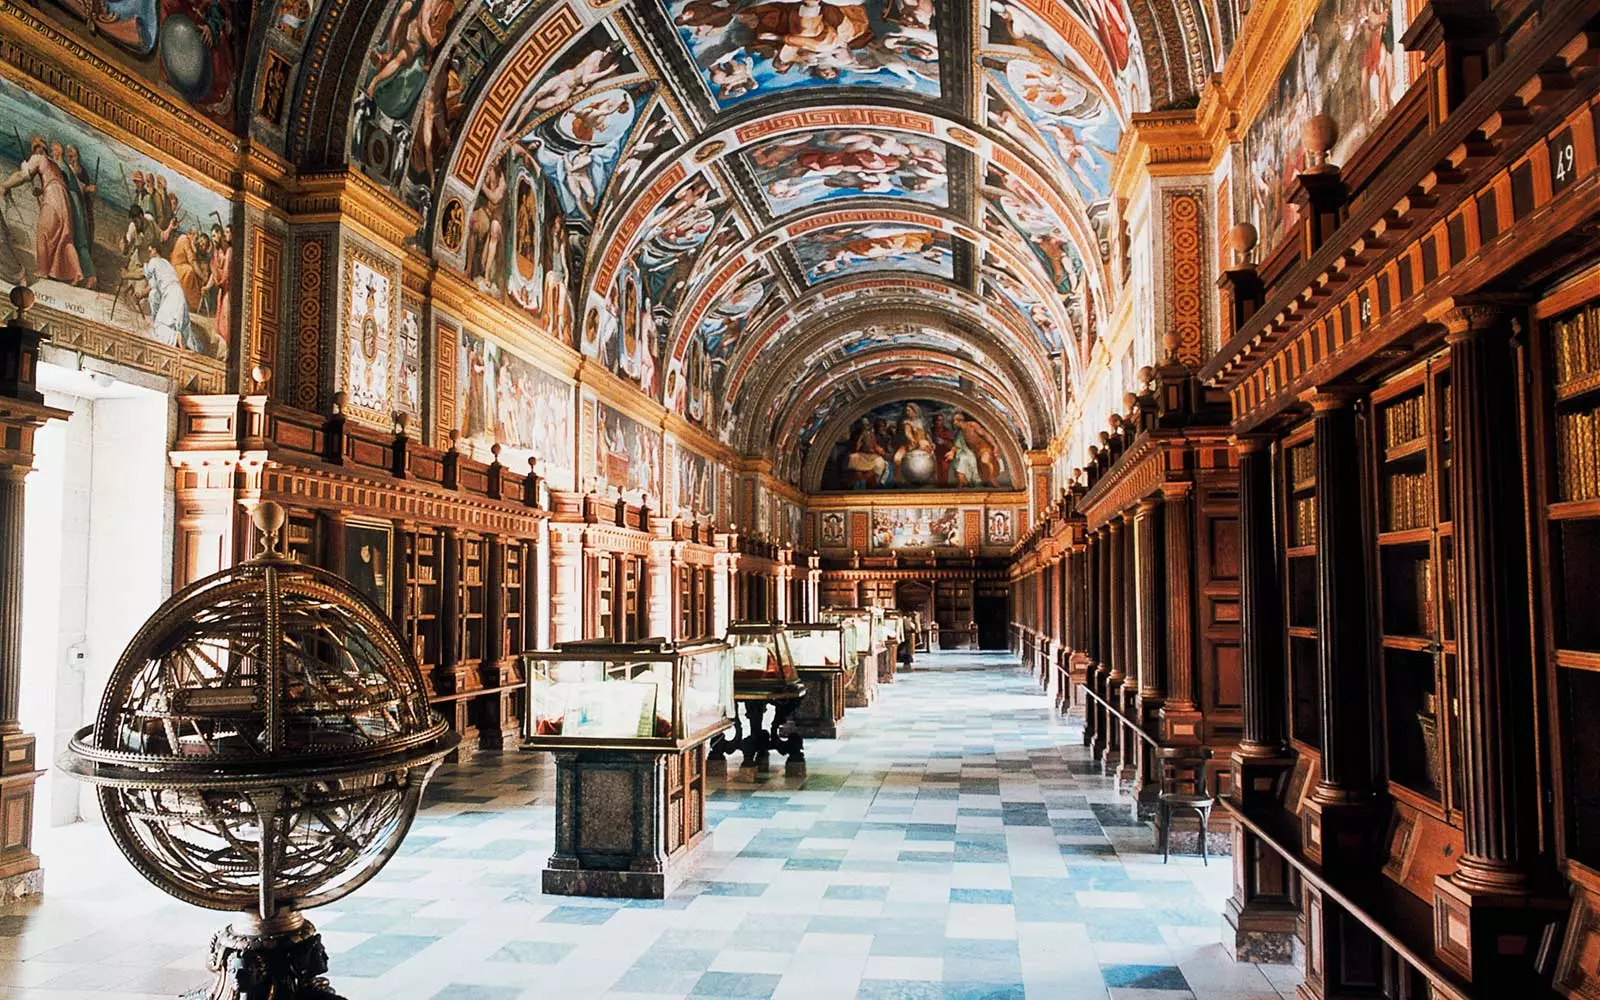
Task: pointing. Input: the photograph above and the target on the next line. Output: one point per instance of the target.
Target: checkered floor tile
(955, 844)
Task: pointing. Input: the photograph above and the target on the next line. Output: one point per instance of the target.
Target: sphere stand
(277, 959)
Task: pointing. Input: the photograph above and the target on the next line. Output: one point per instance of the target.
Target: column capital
(1331, 398)
(1472, 316)
(1251, 444)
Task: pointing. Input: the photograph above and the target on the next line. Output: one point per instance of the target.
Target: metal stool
(1184, 767)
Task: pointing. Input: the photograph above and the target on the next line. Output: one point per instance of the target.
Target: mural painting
(800, 170)
(1003, 284)
(1014, 215)
(108, 235)
(916, 528)
(858, 248)
(193, 46)
(697, 483)
(916, 444)
(396, 80)
(517, 246)
(1349, 66)
(1040, 97)
(369, 340)
(697, 381)
(833, 528)
(747, 48)
(576, 123)
(410, 401)
(627, 329)
(504, 399)
(652, 138)
(627, 453)
(997, 528)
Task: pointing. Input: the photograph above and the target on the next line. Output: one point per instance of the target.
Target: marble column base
(21, 885)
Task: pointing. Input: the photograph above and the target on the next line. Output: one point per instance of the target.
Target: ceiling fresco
(699, 194)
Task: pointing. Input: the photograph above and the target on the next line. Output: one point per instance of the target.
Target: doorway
(990, 611)
(97, 559)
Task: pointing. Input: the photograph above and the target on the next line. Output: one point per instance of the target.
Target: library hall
(800, 499)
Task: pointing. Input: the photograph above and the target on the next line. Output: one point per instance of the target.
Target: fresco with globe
(917, 444)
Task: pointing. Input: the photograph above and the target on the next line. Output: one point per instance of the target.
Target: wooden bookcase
(1418, 675)
(516, 627)
(1298, 459)
(1567, 387)
(422, 551)
(470, 598)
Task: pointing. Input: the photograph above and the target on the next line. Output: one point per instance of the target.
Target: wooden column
(1489, 913)
(1094, 677)
(1116, 644)
(1128, 596)
(1180, 715)
(1151, 586)
(20, 874)
(1262, 910)
(1340, 819)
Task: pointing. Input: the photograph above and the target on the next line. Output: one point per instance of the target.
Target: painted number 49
(1563, 162)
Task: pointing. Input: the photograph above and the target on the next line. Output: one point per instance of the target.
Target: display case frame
(823, 707)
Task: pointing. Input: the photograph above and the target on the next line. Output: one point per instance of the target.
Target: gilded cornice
(918, 498)
(1268, 37)
(1171, 144)
(509, 325)
(350, 198)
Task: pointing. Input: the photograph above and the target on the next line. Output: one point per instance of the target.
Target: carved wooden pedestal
(627, 821)
(822, 709)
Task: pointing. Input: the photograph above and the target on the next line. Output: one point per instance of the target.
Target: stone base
(21, 885)
(262, 961)
(608, 885)
(1264, 947)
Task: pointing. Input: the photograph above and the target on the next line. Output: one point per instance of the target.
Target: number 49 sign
(1563, 161)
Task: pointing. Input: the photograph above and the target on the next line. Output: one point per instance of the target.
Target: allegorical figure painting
(745, 48)
(697, 483)
(627, 453)
(1348, 67)
(192, 45)
(916, 444)
(860, 247)
(502, 399)
(916, 528)
(369, 340)
(108, 235)
(795, 171)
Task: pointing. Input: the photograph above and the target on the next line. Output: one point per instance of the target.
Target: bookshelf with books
(1299, 474)
(1570, 388)
(1420, 703)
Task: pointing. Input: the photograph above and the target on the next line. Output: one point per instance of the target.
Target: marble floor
(955, 843)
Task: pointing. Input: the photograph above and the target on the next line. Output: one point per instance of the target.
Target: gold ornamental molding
(1171, 144)
(863, 500)
(350, 198)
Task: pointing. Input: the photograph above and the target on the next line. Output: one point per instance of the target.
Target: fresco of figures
(748, 48)
(832, 528)
(697, 380)
(1350, 68)
(697, 483)
(517, 243)
(796, 171)
(627, 330)
(627, 453)
(397, 78)
(916, 444)
(916, 528)
(369, 340)
(501, 398)
(1040, 97)
(1004, 285)
(108, 235)
(579, 119)
(410, 401)
(862, 247)
(193, 46)
(1014, 215)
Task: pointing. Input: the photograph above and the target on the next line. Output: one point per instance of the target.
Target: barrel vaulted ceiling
(769, 214)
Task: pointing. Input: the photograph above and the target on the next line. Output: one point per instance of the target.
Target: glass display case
(826, 662)
(647, 695)
(762, 660)
(864, 645)
(820, 646)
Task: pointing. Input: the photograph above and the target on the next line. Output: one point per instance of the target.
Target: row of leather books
(1578, 455)
(1404, 421)
(1406, 501)
(1575, 342)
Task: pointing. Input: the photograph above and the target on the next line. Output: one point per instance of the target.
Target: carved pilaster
(1488, 913)
(660, 579)
(1116, 644)
(566, 582)
(1339, 819)
(1180, 715)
